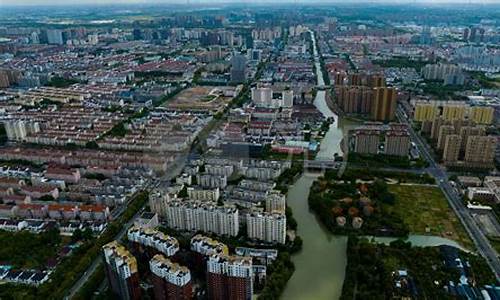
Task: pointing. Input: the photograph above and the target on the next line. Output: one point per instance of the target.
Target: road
(172, 172)
(482, 243)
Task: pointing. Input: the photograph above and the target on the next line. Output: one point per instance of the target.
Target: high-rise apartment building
(425, 112)
(455, 111)
(451, 111)
(238, 68)
(171, 281)
(55, 36)
(207, 246)
(266, 226)
(366, 141)
(480, 151)
(452, 148)
(275, 201)
(443, 132)
(355, 99)
(17, 130)
(384, 103)
(121, 271)
(467, 131)
(154, 239)
(482, 114)
(202, 216)
(229, 277)
(397, 143)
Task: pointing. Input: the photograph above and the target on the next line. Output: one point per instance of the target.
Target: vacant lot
(426, 211)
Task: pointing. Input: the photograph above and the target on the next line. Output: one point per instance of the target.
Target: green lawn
(426, 211)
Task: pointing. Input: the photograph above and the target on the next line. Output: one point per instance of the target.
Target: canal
(320, 265)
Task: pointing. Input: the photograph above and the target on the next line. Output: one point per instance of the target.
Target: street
(480, 240)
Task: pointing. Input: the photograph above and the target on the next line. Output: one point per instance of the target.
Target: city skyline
(217, 2)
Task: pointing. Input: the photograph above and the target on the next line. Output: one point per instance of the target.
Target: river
(320, 265)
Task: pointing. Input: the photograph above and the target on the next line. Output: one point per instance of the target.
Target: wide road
(480, 240)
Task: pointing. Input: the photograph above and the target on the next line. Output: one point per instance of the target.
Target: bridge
(322, 164)
(324, 87)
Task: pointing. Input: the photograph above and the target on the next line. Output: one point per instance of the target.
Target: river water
(320, 266)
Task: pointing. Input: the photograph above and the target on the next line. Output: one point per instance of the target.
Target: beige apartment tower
(384, 103)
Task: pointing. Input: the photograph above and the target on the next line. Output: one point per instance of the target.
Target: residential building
(480, 151)
(266, 226)
(206, 246)
(397, 143)
(170, 280)
(121, 271)
(366, 141)
(452, 148)
(229, 277)
(202, 216)
(384, 103)
(211, 181)
(275, 201)
(201, 194)
(444, 131)
(238, 68)
(154, 239)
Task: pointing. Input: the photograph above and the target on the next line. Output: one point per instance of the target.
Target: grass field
(426, 211)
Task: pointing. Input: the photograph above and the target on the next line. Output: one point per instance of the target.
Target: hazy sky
(69, 2)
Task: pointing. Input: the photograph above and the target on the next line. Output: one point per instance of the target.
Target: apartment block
(452, 110)
(203, 216)
(275, 201)
(211, 181)
(170, 280)
(201, 194)
(452, 148)
(268, 227)
(480, 151)
(397, 143)
(443, 132)
(121, 271)
(425, 112)
(154, 239)
(366, 141)
(384, 104)
(482, 114)
(207, 246)
(467, 131)
(229, 277)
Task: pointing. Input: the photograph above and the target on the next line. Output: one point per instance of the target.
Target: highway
(482, 243)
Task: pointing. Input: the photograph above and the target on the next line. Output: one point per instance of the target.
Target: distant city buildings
(238, 68)
(448, 73)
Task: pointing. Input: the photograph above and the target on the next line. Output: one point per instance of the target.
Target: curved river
(320, 266)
